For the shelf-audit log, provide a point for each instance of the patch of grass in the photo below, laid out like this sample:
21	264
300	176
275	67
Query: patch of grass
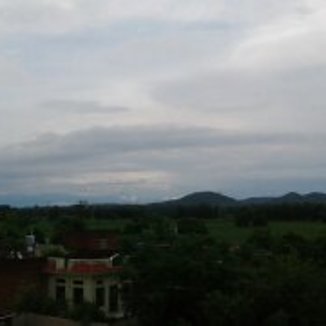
308	230
220	229
226	230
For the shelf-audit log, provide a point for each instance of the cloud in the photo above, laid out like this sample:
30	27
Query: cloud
157	98
148	161
82	107
237	90
101	141
59	17
272	78
297	40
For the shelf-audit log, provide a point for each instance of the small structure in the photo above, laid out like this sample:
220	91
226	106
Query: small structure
89	273
80	279
30	242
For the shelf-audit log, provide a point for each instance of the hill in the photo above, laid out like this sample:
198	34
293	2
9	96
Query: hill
216	199
206	197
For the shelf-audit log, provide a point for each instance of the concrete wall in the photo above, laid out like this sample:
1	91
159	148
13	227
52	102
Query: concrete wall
16	276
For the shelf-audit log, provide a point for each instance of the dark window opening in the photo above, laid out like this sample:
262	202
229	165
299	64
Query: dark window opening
61	280
78	282
78	295
60	293
113	298
99	296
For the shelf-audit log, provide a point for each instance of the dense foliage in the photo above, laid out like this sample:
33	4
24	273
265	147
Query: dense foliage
178	273
194	280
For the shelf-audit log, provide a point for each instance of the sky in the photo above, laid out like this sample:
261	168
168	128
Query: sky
139	101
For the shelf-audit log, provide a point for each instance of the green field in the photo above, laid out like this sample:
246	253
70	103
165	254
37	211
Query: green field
220	229
226	230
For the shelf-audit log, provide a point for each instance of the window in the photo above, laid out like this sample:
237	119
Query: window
60	289
99	296
78	295
60	293
61	281
78	282
113	298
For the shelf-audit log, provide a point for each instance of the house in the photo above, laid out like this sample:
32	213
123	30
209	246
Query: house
76	279
89	272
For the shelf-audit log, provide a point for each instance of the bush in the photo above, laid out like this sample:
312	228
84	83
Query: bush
87	313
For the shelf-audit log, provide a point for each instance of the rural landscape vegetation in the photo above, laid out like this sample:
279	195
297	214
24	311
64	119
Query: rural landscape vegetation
203	259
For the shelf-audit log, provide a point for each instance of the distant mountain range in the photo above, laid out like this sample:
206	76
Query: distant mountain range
217	199
193	199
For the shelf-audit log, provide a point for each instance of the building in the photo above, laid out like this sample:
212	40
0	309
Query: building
17	276
89	273
95	280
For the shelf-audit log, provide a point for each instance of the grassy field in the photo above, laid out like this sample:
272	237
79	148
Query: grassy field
226	230
220	229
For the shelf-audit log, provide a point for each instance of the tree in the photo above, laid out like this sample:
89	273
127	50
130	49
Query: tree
171	282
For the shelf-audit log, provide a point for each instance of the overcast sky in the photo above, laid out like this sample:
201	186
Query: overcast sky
145	100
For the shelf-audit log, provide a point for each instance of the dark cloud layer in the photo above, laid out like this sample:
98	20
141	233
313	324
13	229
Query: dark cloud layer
161	159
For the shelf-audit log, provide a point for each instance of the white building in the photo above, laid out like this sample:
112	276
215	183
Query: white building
77	280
